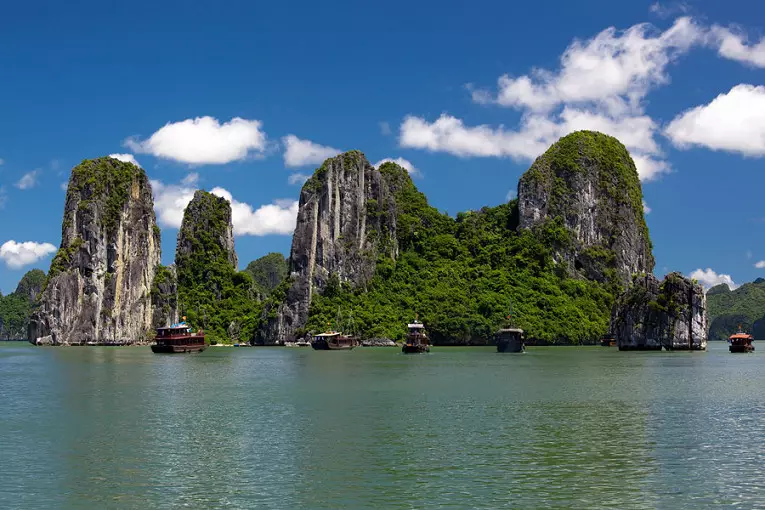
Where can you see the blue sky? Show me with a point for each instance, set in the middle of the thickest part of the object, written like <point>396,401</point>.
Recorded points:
<point>246,97</point>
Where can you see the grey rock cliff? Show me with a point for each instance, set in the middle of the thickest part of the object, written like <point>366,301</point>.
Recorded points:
<point>347,216</point>
<point>651,314</point>
<point>99,283</point>
<point>587,181</point>
<point>164,297</point>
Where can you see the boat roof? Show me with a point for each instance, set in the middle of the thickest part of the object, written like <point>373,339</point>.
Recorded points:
<point>740,335</point>
<point>415,325</point>
<point>510,330</point>
<point>331,333</point>
<point>178,325</point>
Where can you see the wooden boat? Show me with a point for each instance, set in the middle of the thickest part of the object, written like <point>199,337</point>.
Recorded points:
<point>608,340</point>
<point>178,338</point>
<point>333,341</point>
<point>510,340</point>
<point>740,342</point>
<point>416,339</point>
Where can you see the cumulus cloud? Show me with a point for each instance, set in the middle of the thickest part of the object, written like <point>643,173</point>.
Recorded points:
<point>760,264</point>
<point>403,163</point>
<point>17,255</point>
<point>708,278</point>
<point>126,158</point>
<point>646,209</point>
<point>734,121</point>
<point>170,200</point>
<point>735,46</point>
<point>304,152</point>
<point>297,179</point>
<point>29,180</point>
<point>204,141</point>
<point>279,217</point>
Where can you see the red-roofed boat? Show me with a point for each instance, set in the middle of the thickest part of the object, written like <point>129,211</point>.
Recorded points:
<point>178,338</point>
<point>741,342</point>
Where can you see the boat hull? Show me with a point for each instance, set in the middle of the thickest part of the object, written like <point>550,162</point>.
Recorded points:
<point>741,348</point>
<point>415,349</point>
<point>177,349</point>
<point>514,345</point>
<point>323,345</point>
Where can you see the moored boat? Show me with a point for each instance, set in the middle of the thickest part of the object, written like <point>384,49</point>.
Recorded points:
<point>740,342</point>
<point>416,339</point>
<point>333,341</point>
<point>510,340</point>
<point>178,338</point>
<point>608,340</point>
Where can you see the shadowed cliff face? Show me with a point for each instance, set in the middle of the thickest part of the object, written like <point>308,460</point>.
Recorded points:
<point>99,283</point>
<point>653,314</point>
<point>589,183</point>
<point>347,217</point>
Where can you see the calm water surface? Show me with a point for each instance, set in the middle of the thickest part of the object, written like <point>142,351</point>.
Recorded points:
<point>100,427</point>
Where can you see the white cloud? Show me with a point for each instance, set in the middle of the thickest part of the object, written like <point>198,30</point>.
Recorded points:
<point>735,46</point>
<point>646,209</point>
<point>298,178</point>
<point>708,278</point>
<point>204,140</point>
<point>125,158</point>
<point>170,201</point>
<point>64,186</point>
<point>760,264</point>
<point>403,163</point>
<point>304,152</point>
<point>731,122</point>
<point>17,255</point>
<point>276,218</point>
<point>666,10</point>
<point>29,180</point>
<point>511,195</point>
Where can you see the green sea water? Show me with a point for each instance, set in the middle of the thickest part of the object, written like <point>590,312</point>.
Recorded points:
<point>565,427</point>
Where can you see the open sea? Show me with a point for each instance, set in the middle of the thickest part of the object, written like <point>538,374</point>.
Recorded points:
<point>556,427</point>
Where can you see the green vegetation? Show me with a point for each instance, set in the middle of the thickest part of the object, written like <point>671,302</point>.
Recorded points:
<point>729,308</point>
<point>63,258</point>
<point>212,294</point>
<point>464,275</point>
<point>267,272</point>
<point>16,308</point>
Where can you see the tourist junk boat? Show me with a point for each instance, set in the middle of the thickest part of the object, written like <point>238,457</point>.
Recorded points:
<point>334,340</point>
<point>740,342</point>
<point>608,340</point>
<point>178,338</point>
<point>416,339</point>
<point>510,340</point>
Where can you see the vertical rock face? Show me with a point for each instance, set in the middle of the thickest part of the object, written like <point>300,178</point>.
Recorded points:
<point>587,181</point>
<point>346,217</point>
<point>99,283</point>
<point>164,297</point>
<point>652,314</point>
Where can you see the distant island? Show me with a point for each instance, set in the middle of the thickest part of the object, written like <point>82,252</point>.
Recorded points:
<point>744,306</point>
<point>571,257</point>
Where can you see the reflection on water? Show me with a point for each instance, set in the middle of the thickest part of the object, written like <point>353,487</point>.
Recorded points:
<point>96,427</point>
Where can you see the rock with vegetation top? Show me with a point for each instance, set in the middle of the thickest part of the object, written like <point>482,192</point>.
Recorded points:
<point>587,183</point>
<point>99,283</point>
<point>268,272</point>
<point>16,308</point>
<point>743,306</point>
<point>653,314</point>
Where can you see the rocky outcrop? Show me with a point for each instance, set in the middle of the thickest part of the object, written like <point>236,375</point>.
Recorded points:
<point>347,217</point>
<point>728,308</point>
<point>651,314</point>
<point>587,183</point>
<point>164,297</point>
<point>268,272</point>
<point>207,223</point>
<point>31,285</point>
<point>99,283</point>
<point>16,308</point>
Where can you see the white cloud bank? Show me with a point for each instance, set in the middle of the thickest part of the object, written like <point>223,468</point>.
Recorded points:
<point>29,180</point>
<point>297,179</point>
<point>17,255</point>
<point>708,278</point>
<point>601,85</point>
<point>403,163</point>
<point>733,122</point>
<point>204,141</point>
<point>760,264</point>
<point>125,158</point>
<point>299,152</point>
<point>170,200</point>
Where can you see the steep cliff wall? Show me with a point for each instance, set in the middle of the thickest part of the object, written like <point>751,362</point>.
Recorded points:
<point>164,297</point>
<point>99,283</point>
<point>652,314</point>
<point>589,183</point>
<point>347,217</point>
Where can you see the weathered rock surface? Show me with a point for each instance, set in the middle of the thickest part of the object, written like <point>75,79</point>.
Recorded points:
<point>588,182</point>
<point>671,314</point>
<point>164,297</point>
<point>347,216</point>
<point>99,283</point>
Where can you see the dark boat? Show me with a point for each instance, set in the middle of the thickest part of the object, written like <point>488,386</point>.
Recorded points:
<point>416,339</point>
<point>510,340</point>
<point>608,340</point>
<point>178,338</point>
<point>741,342</point>
<point>334,341</point>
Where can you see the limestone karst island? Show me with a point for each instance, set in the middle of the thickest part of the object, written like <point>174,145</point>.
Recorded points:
<point>571,257</point>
